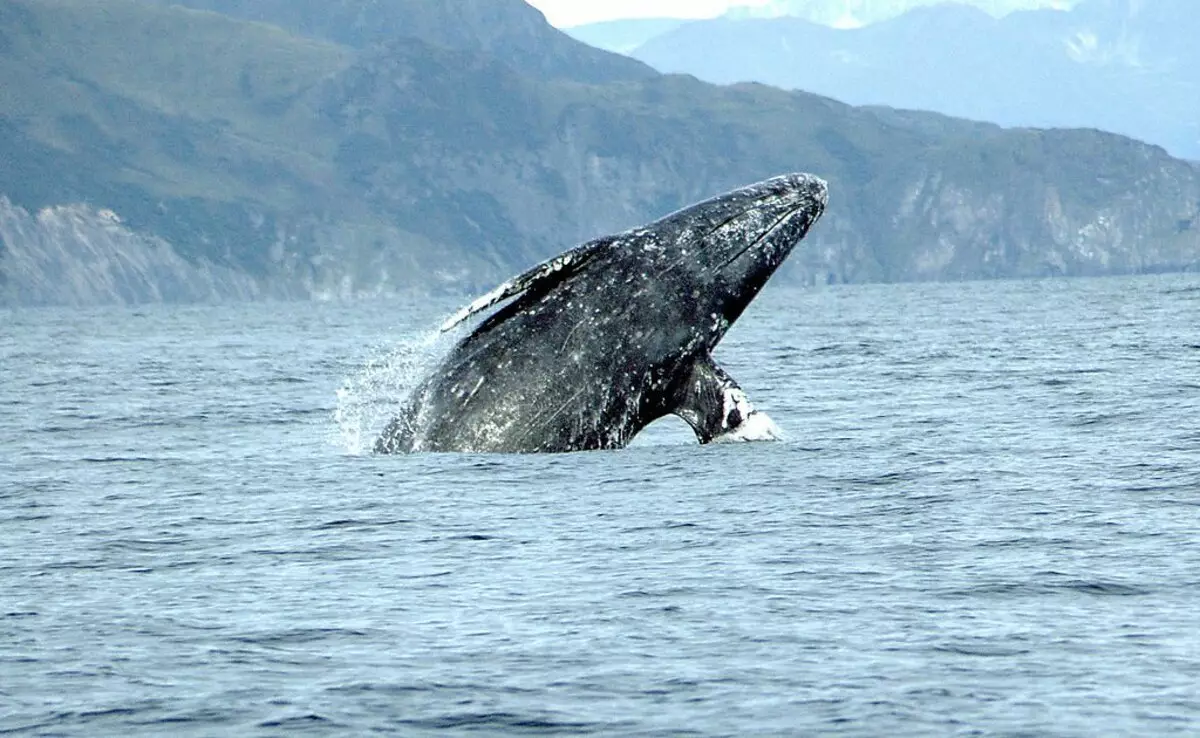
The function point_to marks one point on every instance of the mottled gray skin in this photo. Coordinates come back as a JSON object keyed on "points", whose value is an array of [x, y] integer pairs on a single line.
{"points": [[614, 334]]}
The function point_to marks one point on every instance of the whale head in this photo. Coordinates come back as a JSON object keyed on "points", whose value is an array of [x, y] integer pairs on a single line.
{"points": [[711, 258], [729, 246]]}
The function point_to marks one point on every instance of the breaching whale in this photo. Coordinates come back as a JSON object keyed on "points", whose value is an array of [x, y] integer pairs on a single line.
{"points": [[614, 334]]}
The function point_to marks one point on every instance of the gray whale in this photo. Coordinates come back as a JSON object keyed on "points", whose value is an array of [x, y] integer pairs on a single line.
{"points": [[608, 337]]}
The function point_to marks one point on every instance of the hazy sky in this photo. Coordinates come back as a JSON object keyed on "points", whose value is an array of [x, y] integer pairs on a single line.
{"points": [[564, 13]]}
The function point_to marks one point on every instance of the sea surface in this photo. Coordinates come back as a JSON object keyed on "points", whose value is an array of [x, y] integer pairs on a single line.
{"points": [[984, 520]]}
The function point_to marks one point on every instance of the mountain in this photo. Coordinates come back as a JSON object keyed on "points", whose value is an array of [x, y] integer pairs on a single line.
{"points": [[172, 153], [506, 29], [625, 35], [1126, 66], [858, 13]]}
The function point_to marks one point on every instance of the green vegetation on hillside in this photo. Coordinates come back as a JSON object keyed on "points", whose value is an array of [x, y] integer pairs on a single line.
{"points": [[408, 164]]}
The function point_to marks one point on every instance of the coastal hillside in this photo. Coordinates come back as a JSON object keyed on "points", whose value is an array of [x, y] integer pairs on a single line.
{"points": [[266, 158]]}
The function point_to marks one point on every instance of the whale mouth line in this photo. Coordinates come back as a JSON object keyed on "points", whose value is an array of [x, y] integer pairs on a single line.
{"points": [[781, 220], [758, 205]]}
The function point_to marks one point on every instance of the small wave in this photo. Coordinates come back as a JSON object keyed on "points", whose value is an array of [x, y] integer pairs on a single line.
{"points": [[1106, 589], [74, 565], [882, 480], [300, 722], [288, 380], [388, 689], [353, 524], [207, 717], [1024, 589], [299, 636], [110, 712], [1090, 420], [981, 649], [501, 721], [146, 545]]}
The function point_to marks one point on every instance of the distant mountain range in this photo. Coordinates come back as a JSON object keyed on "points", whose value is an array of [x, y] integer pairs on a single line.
{"points": [[1127, 66], [316, 148], [857, 13], [625, 35]]}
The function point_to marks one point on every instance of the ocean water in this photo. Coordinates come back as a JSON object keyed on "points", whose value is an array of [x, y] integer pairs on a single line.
{"points": [[984, 520]]}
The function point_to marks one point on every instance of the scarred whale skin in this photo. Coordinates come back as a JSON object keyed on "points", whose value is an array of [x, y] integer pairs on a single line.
{"points": [[614, 334]]}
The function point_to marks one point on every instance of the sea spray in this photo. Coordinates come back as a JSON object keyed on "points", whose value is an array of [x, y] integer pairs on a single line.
{"points": [[374, 394]]}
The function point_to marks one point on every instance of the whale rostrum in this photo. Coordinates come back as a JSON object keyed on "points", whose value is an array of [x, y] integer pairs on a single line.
{"points": [[614, 334]]}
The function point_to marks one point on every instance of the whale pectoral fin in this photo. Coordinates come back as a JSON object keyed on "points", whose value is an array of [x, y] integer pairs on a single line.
{"points": [[552, 271], [718, 410]]}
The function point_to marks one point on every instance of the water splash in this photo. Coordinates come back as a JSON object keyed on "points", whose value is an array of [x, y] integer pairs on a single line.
{"points": [[757, 427], [374, 394]]}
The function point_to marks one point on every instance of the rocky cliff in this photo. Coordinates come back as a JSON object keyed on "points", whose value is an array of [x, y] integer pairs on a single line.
{"points": [[74, 255]]}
